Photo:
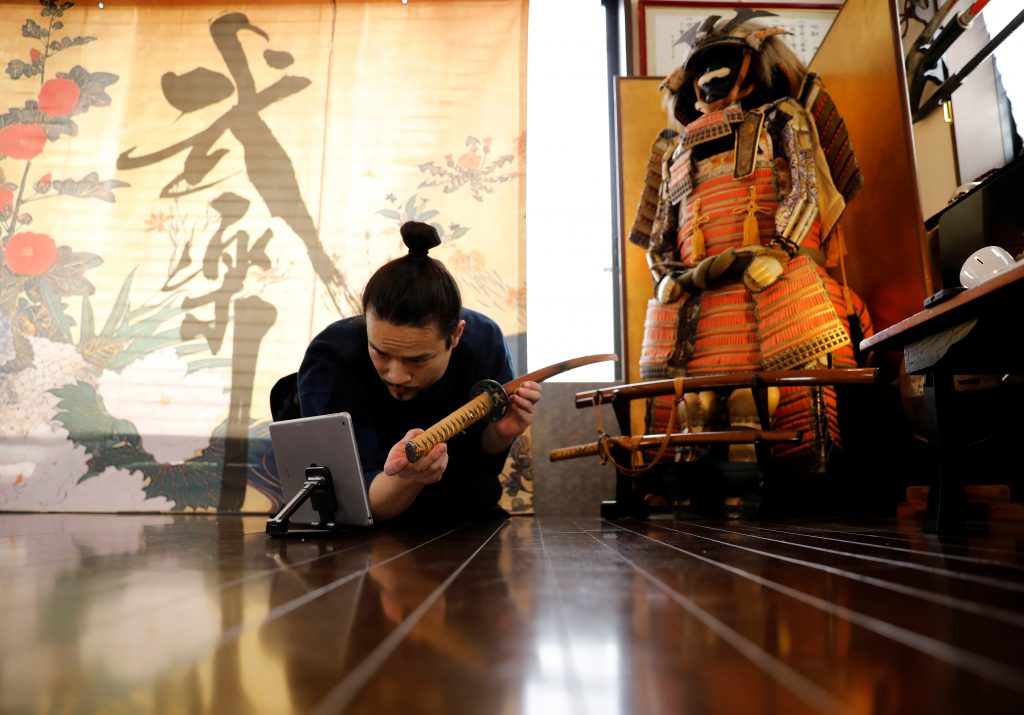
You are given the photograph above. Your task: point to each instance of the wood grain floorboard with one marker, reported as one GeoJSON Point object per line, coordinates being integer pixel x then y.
{"type": "Point", "coordinates": [207, 614]}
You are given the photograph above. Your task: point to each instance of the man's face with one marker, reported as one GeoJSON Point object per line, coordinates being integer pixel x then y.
{"type": "Point", "coordinates": [408, 359]}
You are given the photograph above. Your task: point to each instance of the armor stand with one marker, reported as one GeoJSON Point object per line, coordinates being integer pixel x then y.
{"type": "Point", "coordinates": [319, 488]}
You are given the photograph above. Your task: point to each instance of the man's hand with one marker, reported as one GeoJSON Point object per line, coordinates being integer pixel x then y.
{"type": "Point", "coordinates": [394, 489]}
{"type": "Point", "coordinates": [499, 435]}
{"type": "Point", "coordinates": [424, 470]}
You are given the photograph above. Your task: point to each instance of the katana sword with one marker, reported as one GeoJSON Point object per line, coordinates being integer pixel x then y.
{"type": "Point", "coordinates": [490, 401]}
{"type": "Point", "coordinates": [676, 439]}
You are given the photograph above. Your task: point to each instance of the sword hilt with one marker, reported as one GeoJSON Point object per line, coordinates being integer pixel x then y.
{"type": "Point", "coordinates": [579, 450]}
{"type": "Point", "coordinates": [490, 402]}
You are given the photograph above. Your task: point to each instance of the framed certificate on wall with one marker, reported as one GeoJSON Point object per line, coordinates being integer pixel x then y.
{"type": "Point", "coordinates": [664, 24]}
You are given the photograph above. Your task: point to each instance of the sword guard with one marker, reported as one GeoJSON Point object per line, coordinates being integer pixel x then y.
{"type": "Point", "coordinates": [499, 398]}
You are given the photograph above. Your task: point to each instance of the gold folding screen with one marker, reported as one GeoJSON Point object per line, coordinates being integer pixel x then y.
{"type": "Point", "coordinates": [190, 191]}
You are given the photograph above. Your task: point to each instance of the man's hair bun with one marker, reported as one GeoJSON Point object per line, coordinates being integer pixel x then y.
{"type": "Point", "coordinates": [419, 237]}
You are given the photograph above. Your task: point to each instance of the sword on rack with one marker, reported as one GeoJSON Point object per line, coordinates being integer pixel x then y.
{"type": "Point", "coordinates": [490, 402]}
{"type": "Point", "coordinates": [674, 439]}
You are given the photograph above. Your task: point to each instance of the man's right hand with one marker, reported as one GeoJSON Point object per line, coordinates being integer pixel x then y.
{"type": "Point", "coordinates": [393, 490]}
{"type": "Point", "coordinates": [425, 470]}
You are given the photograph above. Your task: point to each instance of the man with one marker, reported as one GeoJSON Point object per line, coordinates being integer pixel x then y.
{"type": "Point", "coordinates": [410, 360]}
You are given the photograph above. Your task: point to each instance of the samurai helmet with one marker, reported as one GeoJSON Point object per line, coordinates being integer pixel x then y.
{"type": "Point", "coordinates": [736, 60]}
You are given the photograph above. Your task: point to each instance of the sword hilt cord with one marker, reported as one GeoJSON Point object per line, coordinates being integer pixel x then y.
{"type": "Point", "coordinates": [491, 402]}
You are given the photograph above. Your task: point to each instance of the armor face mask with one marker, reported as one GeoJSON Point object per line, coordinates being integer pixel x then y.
{"type": "Point", "coordinates": [732, 60]}
{"type": "Point", "coordinates": [716, 72]}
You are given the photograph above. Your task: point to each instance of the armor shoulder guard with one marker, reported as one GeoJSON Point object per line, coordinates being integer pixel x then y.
{"type": "Point", "coordinates": [643, 225]}
{"type": "Point", "coordinates": [833, 136]}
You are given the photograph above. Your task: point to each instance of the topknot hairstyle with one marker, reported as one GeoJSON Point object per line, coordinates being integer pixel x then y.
{"type": "Point", "coordinates": [415, 290]}
{"type": "Point", "coordinates": [419, 237]}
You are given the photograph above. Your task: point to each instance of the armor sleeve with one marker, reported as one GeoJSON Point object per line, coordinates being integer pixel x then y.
{"type": "Point", "coordinates": [796, 141]}
{"type": "Point", "coordinates": [833, 137]}
{"type": "Point", "coordinates": [650, 211]}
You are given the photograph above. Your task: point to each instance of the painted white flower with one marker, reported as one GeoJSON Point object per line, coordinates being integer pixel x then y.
{"type": "Point", "coordinates": [25, 398]}
{"type": "Point", "coordinates": [7, 351]}
{"type": "Point", "coordinates": [175, 413]}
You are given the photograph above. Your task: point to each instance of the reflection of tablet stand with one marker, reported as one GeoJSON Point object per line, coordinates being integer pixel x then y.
{"type": "Point", "coordinates": [319, 490]}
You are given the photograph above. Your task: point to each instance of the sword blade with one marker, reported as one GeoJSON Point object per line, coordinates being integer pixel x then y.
{"type": "Point", "coordinates": [483, 405]}
{"type": "Point", "coordinates": [558, 368]}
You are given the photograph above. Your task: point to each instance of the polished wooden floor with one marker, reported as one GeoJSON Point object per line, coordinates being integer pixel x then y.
{"type": "Point", "coordinates": [206, 614]}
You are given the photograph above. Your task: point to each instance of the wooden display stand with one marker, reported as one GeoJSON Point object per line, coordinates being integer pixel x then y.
{"type": "Point", "coordinates": [661, 478]}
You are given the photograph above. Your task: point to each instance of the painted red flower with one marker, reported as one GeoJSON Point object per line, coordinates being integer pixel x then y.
{"type": "Point", "coordinates": [157, 222]}
{"type": "Point", "coordinates": [470, 161]}
{"type": "Point", "coordinates": [515, 296]}
{"type": "Point", "coordinates": [6, 198]}
{"type": "Point", "coordinates": [22, 141]}
{"type": "Point", "coordinates": [35, 54]}
{"type": "Point", "coordinates": [58, 97]}
{"type": "Point", "coordinates": [30, 254]}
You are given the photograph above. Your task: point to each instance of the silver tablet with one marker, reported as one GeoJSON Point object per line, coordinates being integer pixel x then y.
{"type": "Point", "coordinates": [324, 441]}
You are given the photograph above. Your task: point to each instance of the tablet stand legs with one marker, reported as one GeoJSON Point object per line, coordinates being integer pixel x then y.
{"type": "Point", "coordinates": [319, 488]}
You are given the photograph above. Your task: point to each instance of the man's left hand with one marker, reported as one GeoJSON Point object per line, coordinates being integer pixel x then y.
{"type": "Point", "coordinates": [499, 435]}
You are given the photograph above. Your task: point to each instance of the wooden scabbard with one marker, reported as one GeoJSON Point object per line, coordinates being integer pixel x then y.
{"type": "Point", "coordinates": [777, 378]}
{"type": "Point", "coordinates": [677, 439]}
{"type": "Point", "coordinates": [485, 405]}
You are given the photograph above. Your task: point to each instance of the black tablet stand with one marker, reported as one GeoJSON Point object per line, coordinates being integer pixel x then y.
{"type": "Point", "coordinates": [318, 487]}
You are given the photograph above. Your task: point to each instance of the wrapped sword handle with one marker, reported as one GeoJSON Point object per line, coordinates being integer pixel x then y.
{"type": "Point", "coordinates": [490, 402]}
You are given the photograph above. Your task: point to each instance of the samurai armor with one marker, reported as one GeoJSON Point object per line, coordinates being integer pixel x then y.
{"type": "Point", "coordinates": [776, 181]}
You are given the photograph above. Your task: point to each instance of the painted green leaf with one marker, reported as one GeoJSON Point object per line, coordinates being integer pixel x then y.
{"type": "Point", "coordinates": [208, 364]}
{"type": "Point", "coordinates": [33, 29]}
{"type": "Point", "coordinates": [18, 69]}
{"type": "Point", "coordinates": [66, 275]}
{"type": "Point", "coordinates": [88, 330]}
{"type": "Point", "coordinates": [116, 443]}
{"type": "Point", "coordinates": [51, 299]}
{"type": "Point", "coordinates": [89, 187]}
{"type": "Point", "coordinates": [120, 309]}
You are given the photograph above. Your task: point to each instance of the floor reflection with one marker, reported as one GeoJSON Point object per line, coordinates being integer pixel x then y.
{"type": "Point", "coordinates": [206, 614]}
{"type": "Point", "coordinates": [588, 669]}
{"type": "Point", "coordinates": [452, 630]}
